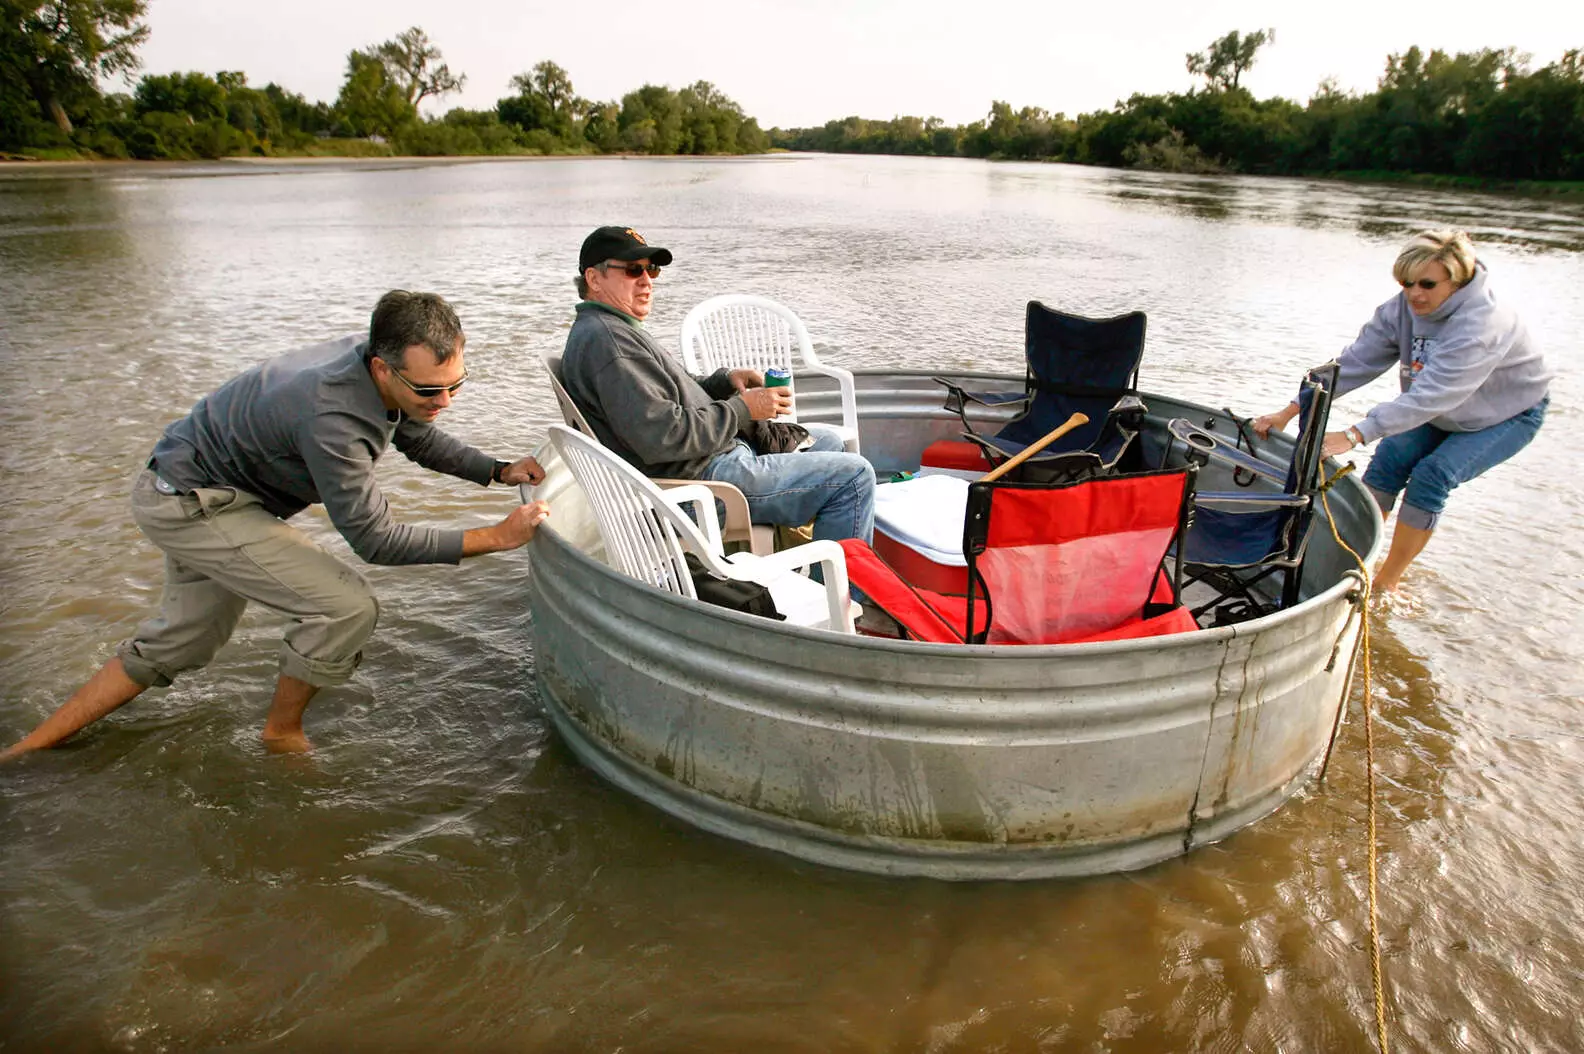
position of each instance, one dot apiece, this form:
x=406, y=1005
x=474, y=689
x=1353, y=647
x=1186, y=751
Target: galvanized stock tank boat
x=951, y=761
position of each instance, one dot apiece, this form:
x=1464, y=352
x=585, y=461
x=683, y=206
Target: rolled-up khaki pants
x=221, y=551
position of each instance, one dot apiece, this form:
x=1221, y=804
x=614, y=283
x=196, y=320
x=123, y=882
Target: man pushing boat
x=304, y=428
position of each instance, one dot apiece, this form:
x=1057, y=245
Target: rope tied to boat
x=1360, y=600
x=1330, y=482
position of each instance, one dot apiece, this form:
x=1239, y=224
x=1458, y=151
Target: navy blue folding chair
x=1241, y=538
x=1074, y=365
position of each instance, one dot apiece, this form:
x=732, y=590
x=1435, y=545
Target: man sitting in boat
x=642, y=404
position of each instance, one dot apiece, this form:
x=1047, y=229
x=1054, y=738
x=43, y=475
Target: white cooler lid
x=926, y=514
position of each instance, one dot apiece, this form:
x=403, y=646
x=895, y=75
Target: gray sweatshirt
x=641, y=402
x=308, y=427
x=1467, y=365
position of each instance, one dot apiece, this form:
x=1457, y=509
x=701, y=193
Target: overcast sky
x=795, y=63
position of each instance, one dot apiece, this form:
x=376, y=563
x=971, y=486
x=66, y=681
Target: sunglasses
x=632, y=270
x=1423, y=283
x=431, y=391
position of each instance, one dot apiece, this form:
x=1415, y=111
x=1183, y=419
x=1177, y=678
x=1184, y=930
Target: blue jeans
x=1430, y=463
x=824, y=483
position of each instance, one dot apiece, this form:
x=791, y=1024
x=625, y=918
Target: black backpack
x=751, y=597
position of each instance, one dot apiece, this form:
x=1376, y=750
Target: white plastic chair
x=646, y=534
x=738, y=529
x=739, y=331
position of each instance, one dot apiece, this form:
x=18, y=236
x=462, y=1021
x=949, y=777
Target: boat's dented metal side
x=926, y=759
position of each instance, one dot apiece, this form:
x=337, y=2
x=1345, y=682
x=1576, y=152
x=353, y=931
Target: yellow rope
x=1369, y=755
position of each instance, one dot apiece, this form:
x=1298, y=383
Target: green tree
x=371, y=103
x=55, y=52
x=1420, y=115
x=711, y=123
x=413, y=64
x=195, y=95
x=544, y=99
x=300, y=119
x=1533, y=128
x=651, y=120
x=602, y=126
x=1223, y=65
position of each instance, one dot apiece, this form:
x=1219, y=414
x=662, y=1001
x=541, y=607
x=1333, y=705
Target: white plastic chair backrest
x=570, y=413
x=743, y=331
x=645, y=534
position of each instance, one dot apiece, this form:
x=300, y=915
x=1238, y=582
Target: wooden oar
x=1075, y=421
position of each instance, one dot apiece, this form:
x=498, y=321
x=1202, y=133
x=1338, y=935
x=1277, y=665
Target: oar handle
x=1075, y=421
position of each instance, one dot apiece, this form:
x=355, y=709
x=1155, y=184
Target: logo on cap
x=635, y=236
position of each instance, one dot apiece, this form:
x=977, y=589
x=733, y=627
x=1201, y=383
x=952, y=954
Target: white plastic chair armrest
x=826, y=553
x=844, y=381
x=738, y=526
x=703, y=501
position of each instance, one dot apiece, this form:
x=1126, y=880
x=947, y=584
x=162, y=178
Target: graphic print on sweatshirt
x=1418, y=351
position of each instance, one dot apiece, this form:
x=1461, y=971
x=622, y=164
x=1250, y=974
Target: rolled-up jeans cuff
x=1420, y=519
x=1382, y=499
x=321, y=673
x=141, y=670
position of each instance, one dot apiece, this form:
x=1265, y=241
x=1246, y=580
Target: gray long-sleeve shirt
x=1467, y=365
x=308, y=427
x=639, y=400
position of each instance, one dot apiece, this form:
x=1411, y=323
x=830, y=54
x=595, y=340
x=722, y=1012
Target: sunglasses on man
x=431, y=391
x=1422, y=283
x=632, y=270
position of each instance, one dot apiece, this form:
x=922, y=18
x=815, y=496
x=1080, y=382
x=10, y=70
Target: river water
x=441, y=874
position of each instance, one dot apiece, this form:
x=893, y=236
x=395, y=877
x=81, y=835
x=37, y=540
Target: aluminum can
x=775, y=378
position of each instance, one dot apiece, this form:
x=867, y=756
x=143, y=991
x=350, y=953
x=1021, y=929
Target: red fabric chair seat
x=1056, y=564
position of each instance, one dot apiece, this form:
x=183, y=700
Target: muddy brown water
x=441, y=875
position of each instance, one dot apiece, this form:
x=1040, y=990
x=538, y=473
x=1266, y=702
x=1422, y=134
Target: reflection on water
x=441, y=874
x=1391, y=211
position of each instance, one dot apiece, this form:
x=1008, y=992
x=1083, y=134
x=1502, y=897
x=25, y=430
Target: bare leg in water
x=1406, y=544
x=283, y=731
x=105, y=691
x=111, y=688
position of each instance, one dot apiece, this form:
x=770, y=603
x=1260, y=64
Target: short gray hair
x=1451, y=249
x=581, y=281
x=402, y=319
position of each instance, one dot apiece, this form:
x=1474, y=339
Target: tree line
x=1483, y=114
x=54, y=54
x=1480, y=114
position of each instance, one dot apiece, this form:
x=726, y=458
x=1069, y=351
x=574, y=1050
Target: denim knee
x=849, y=513
x=1390, y=467
x=1429, y=486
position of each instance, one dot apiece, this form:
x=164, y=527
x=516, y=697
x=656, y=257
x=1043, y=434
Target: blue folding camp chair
x=1074, y=364
x=1239, y=539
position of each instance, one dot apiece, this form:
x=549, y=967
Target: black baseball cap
x=619, y=243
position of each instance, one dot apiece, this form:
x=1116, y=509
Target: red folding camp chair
x=1051, y=564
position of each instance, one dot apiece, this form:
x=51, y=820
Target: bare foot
x=1397, y=602
x=286, y=742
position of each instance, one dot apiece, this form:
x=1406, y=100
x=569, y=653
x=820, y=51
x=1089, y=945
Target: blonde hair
x=1451, y=249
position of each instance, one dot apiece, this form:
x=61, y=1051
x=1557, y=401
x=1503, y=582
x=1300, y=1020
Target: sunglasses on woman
x=1422, y=283
x=431, y=391
x=634, y=270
